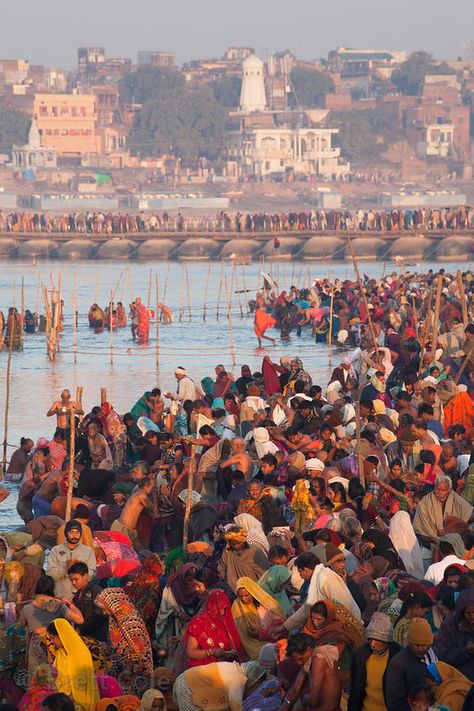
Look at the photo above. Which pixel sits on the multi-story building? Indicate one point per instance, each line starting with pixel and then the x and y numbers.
pixel 157 59
pixel 67 123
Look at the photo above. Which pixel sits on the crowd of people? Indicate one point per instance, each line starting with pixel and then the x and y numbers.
pixel 395 220
pixel 260 540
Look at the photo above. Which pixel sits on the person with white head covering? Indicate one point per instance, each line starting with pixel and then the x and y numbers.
pixel 255 533
pixel 263 445
pixel 187 388
pixel 406 543
pixel 343 373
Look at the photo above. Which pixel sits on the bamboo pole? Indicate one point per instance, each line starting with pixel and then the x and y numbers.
pixel 103 395
pixel 237 287
pixel 74 318
pixel 462 295
pixel 7 400
pixel 244 281
pixel 14 293
pixel 37 302
pixel 434 341
pixel 331 313
pixel 206 288
pixel 22 327
pixel 467 358
pixel 149 289
pixel 117 285
pixel 360 457
pixel 220 289
pixel 188 292
pixel 231 329
pixel 415 315
pixel 124 284
pixel 79 392
pixel 157 324
pixel 181 287
pixel 165 287
pixel 72 454
pixel 187 511
pixel 111 335
pixel 361 287
pixel 424 334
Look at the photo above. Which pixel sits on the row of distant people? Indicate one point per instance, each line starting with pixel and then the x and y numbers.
pixel 312 220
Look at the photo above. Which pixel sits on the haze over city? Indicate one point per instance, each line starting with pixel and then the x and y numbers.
pixel 50 30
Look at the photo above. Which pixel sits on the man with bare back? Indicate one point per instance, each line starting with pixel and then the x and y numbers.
pixel 136 504
pixel 318 683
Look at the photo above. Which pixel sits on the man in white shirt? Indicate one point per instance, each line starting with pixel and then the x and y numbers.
pixel 451 548
pixel 187 389
pixel 61 558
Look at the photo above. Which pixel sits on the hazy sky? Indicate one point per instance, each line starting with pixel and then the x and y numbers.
pixel 49 31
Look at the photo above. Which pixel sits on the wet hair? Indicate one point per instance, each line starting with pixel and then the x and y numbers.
pixel 396 462
pixel 427 456
pixel 45 586
pixel 206 430
pixel 425 409
pixel 299 643
pixel 237 475
pixel 78 568
pixel 269 459
pixel 156 392
pixel 150 434
pixel 24 440
pixel 356 492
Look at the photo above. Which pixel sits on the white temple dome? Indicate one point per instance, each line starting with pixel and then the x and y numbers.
pixel 252 95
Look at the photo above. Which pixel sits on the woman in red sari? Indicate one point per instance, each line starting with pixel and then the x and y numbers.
pixel 143 318
pixel 212 636
pixel 262 322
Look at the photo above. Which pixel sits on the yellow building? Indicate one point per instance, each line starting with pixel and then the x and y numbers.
pixel 67 123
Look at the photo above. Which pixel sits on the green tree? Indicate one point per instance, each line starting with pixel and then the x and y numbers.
pixel 410 75
pixel 14 128
pixel 189 123
pixel 310 86
pixel 364 135
pixel 148 82
pixel 227 91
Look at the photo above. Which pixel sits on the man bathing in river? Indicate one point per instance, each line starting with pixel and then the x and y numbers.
pixel 135 506
pixel 61 408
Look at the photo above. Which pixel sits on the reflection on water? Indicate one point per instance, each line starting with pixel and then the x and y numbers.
pixel 194 344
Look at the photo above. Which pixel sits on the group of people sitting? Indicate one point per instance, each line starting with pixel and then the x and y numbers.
pixel 256 542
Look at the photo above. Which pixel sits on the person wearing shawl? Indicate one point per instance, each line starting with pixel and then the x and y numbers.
pixel 375 389
pixel 212 635
pixel 241 559
pixel 222 386
pixel 146 591
pixel 115 432
pixel 121 703
pixel 178 605
pixel 202 518
pixel 270 377
pixel 74 665
pixel 273 582
pixel 331 623
pixel 152 700
pixel 455 639
pixel 434 509
pixel 406 543
pixel 129 639
pixel 468 489
pixel 255 533
pixel 343 373
pixel 256 614
pixel 41 685
pixel 263 444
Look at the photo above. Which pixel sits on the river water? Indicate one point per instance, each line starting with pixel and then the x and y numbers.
pixel 191 342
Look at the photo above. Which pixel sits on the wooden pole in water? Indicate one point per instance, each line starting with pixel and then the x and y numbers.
pixel 462 295
pixel 188 292
pixel 231 330
pixel 149 289
pixel 331 313
pixel 206 288
pixel 103 395
pixel 117 285
pixel 124 284
pixel 79 391
pixel 165 287
pixel 220 289
pixel 181 287
pixel 14 293
pixel 22 328
pixel 434 343
pixel 157 324
pixel 111 335
pixel 72 454
pixel 187 511
pixel 7 402
pixel 74 317
pixel 37 302
pixel 244 281
pixel 237 287
pixel 362 289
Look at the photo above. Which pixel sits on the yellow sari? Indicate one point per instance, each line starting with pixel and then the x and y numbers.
pixel 260 618
pixel 75 668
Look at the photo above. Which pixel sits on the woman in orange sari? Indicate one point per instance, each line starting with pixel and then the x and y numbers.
pixel 262 322
pixel 143 325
